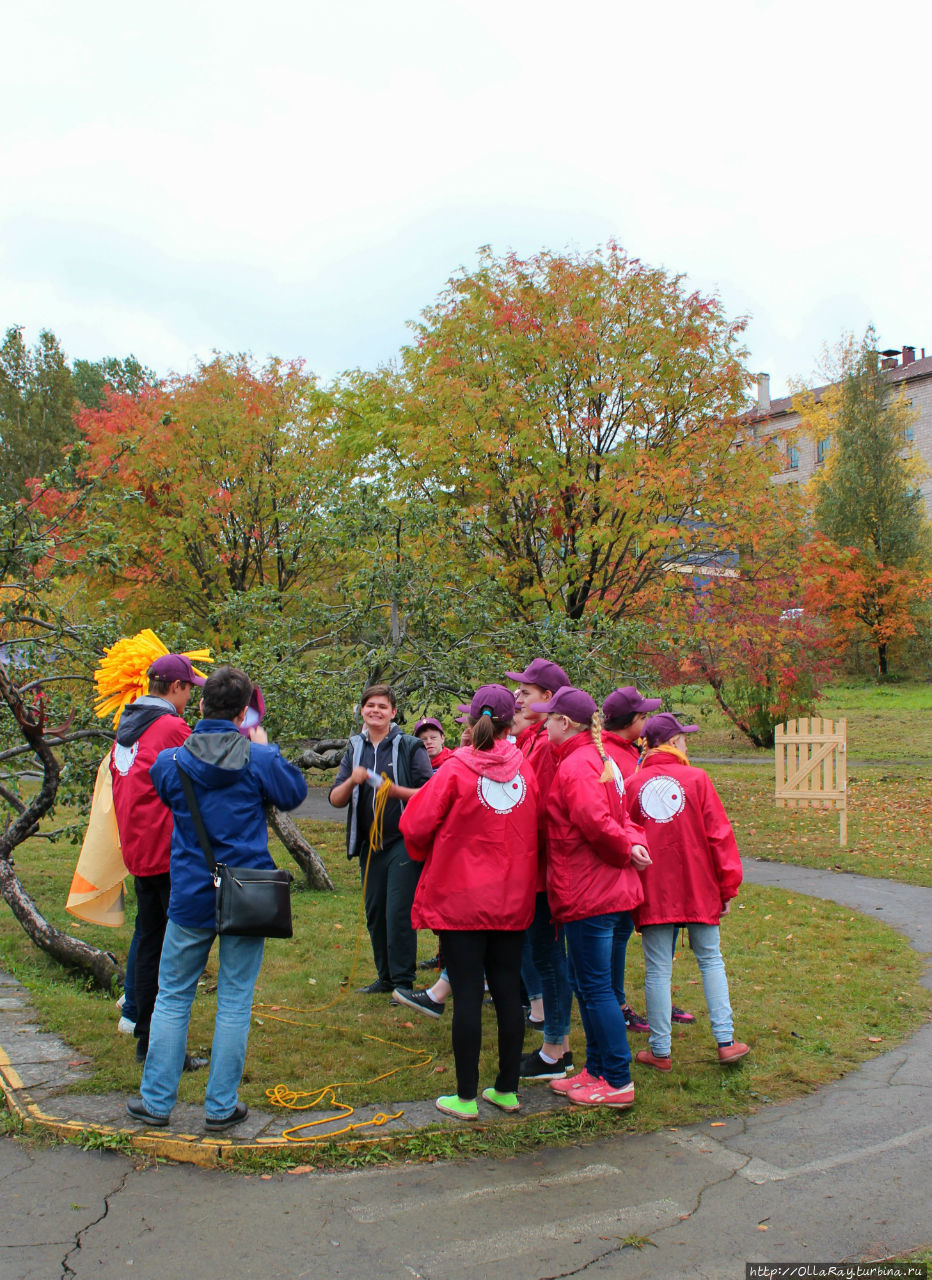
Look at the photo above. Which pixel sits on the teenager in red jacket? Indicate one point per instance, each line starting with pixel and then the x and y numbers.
pixel 695 872
pixel 147 726
pixel 593 856
pixel 431 733
pixel 545 947
pixel 475 829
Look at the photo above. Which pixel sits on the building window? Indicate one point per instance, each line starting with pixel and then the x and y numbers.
pixel 792 458
pixel 908 434
pixel 822 449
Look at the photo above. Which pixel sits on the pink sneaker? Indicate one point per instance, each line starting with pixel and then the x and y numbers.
pixel 578 1081
pixel 601 1094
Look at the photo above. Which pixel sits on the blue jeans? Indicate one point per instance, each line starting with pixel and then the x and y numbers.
pixel 657 940
pixel 548 951
pixel 594 946
pixel 184 954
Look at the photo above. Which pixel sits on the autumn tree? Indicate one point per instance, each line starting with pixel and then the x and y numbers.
pixel 577 416
pixel 227 487
pixel 869 563
pixel 50 742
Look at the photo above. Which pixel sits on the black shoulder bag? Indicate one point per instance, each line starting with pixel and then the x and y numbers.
pixel 251 902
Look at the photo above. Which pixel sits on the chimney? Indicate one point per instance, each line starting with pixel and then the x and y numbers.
pixel 763 393
pixel 909 356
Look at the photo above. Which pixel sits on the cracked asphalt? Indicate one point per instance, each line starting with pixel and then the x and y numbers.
pixel 843 1174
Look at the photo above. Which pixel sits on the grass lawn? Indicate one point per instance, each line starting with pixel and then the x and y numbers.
pixel 816 990
pixel 889 822
pixel 885 722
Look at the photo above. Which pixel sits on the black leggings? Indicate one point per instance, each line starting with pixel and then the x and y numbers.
pixel 497 954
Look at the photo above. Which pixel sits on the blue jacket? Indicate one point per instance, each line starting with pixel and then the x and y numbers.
pixel 233 780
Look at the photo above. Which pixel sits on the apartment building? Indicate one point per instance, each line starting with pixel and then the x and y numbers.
pixel 802 455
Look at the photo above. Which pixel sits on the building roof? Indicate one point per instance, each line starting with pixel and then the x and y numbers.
pixel 902 373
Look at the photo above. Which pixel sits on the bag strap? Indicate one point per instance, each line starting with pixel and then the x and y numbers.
pixel 187 786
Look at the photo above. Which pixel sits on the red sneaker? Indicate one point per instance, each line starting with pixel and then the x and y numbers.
pixel 601 1094
pixel 578 1081
pixel 648 1059
pixel 731 1052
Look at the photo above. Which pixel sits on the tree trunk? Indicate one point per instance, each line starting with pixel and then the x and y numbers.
pixel 307 858
pixel 99 965
pixel 881 661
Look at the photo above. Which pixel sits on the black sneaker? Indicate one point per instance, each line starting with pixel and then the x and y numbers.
pixel 419 1000
pixel 193 1063
pixel 533 1067
pixel 634 1021
pixel 432 963
pixel 236 1116
pixel 379 987
pixel 137 1109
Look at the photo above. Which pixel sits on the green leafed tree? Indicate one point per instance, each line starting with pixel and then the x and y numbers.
pixel 867 503
pixel 36 403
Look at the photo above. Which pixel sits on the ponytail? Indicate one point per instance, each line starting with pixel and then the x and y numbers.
pixel 485 730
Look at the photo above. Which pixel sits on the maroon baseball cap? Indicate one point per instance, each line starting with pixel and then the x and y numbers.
pixel 495 699
pixel 575 704
pixel 427 723
pixel 175 666
pixel 546 675
pixel 255 710
pixel 662 728
pixel 628 702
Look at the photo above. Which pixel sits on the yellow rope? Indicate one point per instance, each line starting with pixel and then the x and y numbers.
pixel 378 820
pixel 292 1099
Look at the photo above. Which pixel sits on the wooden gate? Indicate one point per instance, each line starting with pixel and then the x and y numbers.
pixel 812 767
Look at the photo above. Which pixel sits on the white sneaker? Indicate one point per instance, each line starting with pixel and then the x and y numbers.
pixel 126 1026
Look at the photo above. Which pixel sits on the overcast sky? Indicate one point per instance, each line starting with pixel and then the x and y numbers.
pixel 301 178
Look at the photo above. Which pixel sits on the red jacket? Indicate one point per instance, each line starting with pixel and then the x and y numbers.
pixel 625 754
pixel 534 744
pixel 444 754
pixel 475 828
pixel 143 821
pixel 589 838
pixel 696 865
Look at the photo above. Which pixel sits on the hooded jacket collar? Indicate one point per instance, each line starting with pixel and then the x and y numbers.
pixel 500 764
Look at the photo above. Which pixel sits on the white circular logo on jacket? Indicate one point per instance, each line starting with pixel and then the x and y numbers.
pixel 123 757
pixel 502 796
pixel 662 798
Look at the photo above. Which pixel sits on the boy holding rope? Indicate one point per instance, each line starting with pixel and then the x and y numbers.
pixel 381 770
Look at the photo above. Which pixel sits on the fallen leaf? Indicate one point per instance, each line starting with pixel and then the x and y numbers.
pixel 265 1177
pixel 301 1168
pixel 718 1124
pixel 875 1039
pixel 407 1024
pixel 762 1227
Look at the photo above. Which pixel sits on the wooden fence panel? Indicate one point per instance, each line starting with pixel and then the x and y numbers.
pixel 811 767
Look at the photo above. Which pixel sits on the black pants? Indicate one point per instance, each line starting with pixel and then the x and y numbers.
pixel 497 954
pixel 152 893
pixel 390 884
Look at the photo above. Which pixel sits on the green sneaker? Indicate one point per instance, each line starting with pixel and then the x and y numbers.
pixel 451 1104
pixel 504 1101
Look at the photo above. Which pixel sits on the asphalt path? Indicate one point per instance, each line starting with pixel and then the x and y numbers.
pixel 841 1174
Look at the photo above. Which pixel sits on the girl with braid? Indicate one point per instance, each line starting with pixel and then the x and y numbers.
pixel 594 854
